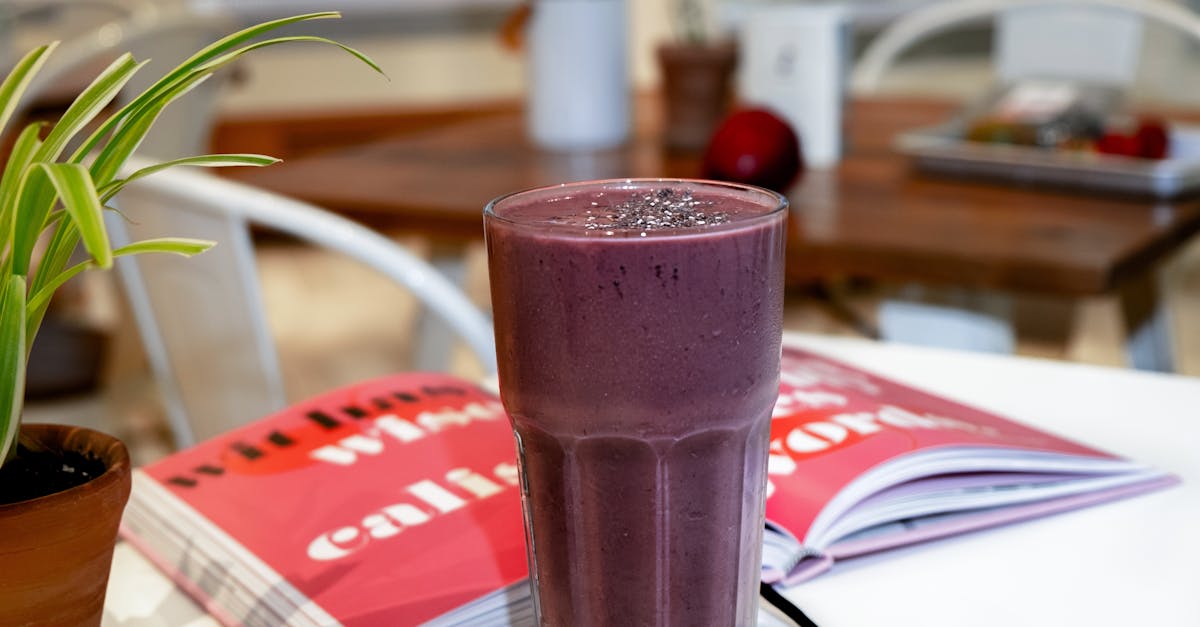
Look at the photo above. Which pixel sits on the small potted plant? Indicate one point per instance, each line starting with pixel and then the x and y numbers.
pixel 697 70
pixel 62 489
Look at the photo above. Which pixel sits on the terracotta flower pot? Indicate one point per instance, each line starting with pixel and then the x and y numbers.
pixel 697 91
pixel 56 550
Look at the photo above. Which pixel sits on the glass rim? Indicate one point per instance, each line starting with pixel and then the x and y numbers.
pixel 779 201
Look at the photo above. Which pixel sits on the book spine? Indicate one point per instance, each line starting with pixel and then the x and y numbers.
pixel 191 550
pixel 806 568
pixel 205 600
pixel 201 572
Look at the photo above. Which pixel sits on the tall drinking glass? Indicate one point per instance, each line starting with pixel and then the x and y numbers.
pixel 638 328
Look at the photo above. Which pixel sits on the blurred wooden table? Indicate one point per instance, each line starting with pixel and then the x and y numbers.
pixel 870 217
pixel 436 182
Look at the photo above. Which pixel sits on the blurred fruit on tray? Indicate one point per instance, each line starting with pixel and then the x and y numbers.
pixel 1145 137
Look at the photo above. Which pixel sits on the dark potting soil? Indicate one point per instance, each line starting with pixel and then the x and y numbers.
pixel 31 474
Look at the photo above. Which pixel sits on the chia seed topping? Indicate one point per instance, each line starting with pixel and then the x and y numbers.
pixel 661 209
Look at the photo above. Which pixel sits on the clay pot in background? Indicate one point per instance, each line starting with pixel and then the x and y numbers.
pixel 56 550
pixel 697 91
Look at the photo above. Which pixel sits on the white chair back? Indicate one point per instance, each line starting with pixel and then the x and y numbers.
pixel 1097 40
pixel 1063 42
pixel 202 320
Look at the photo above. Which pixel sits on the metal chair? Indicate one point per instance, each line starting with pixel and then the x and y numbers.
pixel 1036 38
pixel 201 319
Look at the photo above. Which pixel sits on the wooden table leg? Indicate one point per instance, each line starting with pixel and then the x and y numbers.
pixel 984 321
pixel 1147 325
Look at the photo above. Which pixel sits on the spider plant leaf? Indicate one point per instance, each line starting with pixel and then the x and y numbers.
pixel 53 217
pixel 32 200
pixel 62 244
pixel 129 135
pixel 184 246
pixel 147 107
pixel 18 161
pixel 87 105
pixel 12 361
pixel 18 80
pixel 234 40
pixel 54 259
pixel 138 120
pixel 221 61
pixel 110 189
pixel 75 188
pixel 41 298
pixel 180 74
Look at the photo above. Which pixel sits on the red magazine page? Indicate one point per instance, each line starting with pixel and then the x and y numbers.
pixel 386 503
pixel 833 422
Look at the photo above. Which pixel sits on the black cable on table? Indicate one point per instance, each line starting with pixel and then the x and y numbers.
pixel 788 608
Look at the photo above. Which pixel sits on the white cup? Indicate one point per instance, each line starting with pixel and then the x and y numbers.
pixel 578 95
pixel 795 61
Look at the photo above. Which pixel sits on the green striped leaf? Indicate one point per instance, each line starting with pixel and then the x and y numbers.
pixel 62 244
pixel 18 80
pixel 138 120
pixel 233 40
pixel 57 255
pixel 225 59
pixel 87 105
pixel 186 247
pixel 18 161
pixel 75 188
pixel 181 73
pixel 129 135
pixel 205 161
pixel 36 307
pixel 12 361
pixel 31 203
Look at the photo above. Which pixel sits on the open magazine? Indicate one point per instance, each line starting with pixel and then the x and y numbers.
pixel 396 501
pixel 860 464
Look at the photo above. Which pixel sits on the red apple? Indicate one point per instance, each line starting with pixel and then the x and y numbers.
pixel 1152 139
pixel 756 147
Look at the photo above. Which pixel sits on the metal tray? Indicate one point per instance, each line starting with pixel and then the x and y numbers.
pixel 941 149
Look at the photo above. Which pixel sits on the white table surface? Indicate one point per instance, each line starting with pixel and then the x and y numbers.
pixel 1132 562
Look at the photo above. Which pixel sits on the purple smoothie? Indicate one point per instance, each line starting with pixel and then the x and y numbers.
pixel 640 371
